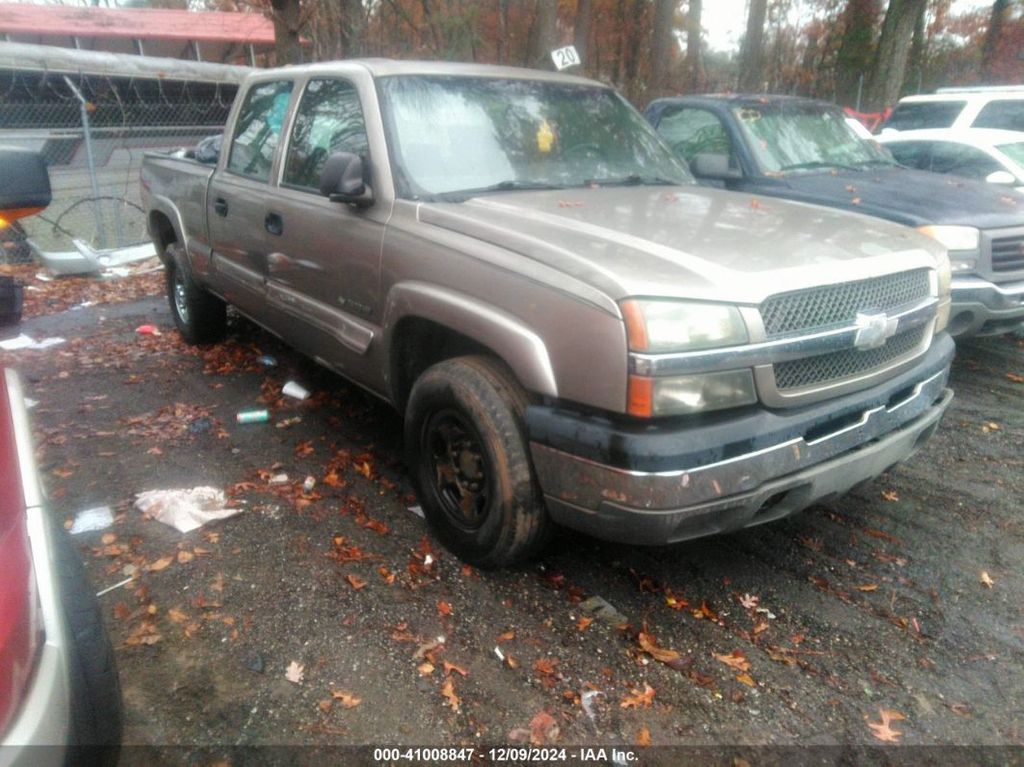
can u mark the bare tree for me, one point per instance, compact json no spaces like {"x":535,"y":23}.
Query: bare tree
{"x":695,"y":77}
{"x":751,"y":77}
{"x":990,"y":49}
{"x":663,"y":44}
{"x":859,"y":23}
{"x":890,"y":63}
{"x":544,"y":35}
{"x":287,"y":18}
{"x":581,"y":32}
{"x":353,"y":28}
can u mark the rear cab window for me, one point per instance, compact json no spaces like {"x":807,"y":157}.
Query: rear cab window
{"x":914,"y":115}
{"x":258,"y":129}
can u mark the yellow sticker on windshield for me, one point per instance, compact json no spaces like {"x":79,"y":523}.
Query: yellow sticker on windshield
{"x":545,"y":138}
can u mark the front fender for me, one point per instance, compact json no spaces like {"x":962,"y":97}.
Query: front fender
{"x":505,"y":334}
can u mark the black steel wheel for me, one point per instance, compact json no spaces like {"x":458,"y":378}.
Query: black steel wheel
{"x":469,"y":459}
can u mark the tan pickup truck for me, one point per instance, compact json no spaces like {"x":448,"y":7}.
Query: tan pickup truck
{"x":576,"y":333}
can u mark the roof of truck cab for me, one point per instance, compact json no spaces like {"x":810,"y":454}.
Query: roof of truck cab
{"x":743,"y":99}
{"x":391,"y":67}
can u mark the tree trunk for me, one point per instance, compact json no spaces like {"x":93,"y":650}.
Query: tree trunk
{"x":890,"y":65}
{"x":751,"y":77}
{"x":663,"y":47}
{"x":502,"y":31}
{"x":853,"y":59}
{"x":918,"y":53}
{"x":694,"y":57}
{"x":353,"y":29}
{"x":990,"y":49}
{"x":287,"y":17}
{"x":581,"y":33}
{"x":545,"y":34}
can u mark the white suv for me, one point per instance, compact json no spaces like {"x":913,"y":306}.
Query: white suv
{"x":995,"y":107}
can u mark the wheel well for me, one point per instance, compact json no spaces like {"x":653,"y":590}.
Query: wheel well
{"x":420,"y":343}
{"x":162,"y":231}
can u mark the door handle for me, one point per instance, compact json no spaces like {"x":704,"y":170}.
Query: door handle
{"x":274,"y":224}
{"x":220,"y":206}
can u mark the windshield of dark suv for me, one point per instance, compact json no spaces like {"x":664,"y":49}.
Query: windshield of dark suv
{"x":455,"y":137}
{"x":801,"y":138}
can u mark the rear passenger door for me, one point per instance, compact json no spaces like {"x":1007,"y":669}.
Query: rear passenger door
{"x":237,"y":197}
{"x":323,"y":263}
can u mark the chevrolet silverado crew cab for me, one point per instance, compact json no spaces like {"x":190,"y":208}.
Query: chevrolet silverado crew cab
{"x":576,"y":333}
{"x":802,"y":149}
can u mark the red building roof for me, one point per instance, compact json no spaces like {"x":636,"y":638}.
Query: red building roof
{"x":18,"y":20}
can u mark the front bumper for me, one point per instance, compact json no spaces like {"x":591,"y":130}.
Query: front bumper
{"x":984,"y":308}
{"x":656,"y":485}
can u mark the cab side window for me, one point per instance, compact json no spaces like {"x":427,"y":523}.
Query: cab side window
{"x":329,"y":119}
{"x":258,"y":130}
{"x":695,"y":131}
{"x":1003,"y":113}
{"x":962,"y":160}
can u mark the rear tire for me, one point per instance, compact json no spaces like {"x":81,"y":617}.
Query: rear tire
{"x":96,"y":718}
{"x":200,"y":316}
{"x":470,"y":462}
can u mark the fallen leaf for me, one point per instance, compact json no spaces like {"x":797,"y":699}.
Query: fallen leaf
{"x":882,"y":730}
{"x":986,"y":580}
{"x":890,"y":495}
{"x":294,"y":672}
{"x":355,"y":581}
{"x":160,"y":564}
{"x":444,"y":608}
{"x":582,"y":623}
{"x":748,"y":601}
{"x":108,"y":538}
{"x":387,"y":575}
{"x":450,"y":667}
{"x":176,"y":615}
{"x":1015,"y":378}
{"x":545,"y":666}
{"x":868,"y":587}
{"x":184,"y":557}
{"x":426,"y":668}
{"x":736,"y":659}
{"x":638,"y":699}
{"x":648,"y":645}
{"x":543,"y":729}
{"x":508,"y":636}
{"x":747,"y":680}
{"x":448,"y":691}
{"x":643,"y":738}
{"x":325,"y":705}
{"x":347,"y":699}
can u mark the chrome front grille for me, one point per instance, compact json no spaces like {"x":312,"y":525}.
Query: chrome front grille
{"x":1008,"y":254}
{"x":841,"y":365}
{"x":818,"y":308}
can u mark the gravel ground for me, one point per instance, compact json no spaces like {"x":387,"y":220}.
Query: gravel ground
{"x":903,"y":599}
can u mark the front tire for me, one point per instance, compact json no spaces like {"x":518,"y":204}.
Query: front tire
{"x":470,"y":463}
{"x":200,"y":316}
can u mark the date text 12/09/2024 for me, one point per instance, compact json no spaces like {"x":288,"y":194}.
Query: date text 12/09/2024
{"x":516,"y":754}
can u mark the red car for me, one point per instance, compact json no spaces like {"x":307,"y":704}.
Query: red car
{"x":58,"y":681}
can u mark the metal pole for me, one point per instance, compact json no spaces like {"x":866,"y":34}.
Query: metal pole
{"x":860,"y":90}
{"x":84,"y":110}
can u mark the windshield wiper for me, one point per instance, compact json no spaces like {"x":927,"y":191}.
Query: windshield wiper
{"x":509,"y":185}
{"x":633,"y":180}
{"x":816,"y":164}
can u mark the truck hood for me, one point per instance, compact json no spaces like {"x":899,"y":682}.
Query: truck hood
{"x":911,"y":197}
{"x":685,"y":241}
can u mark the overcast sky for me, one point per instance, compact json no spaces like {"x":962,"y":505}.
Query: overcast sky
{"x":725,"y":20}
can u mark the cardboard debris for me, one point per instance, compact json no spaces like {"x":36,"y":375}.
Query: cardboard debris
{"x":184,"y":510}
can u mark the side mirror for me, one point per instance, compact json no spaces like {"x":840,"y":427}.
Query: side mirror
{"x":1001,"y":177}
{"x":26,"y":184}
{"x":714,"y":167}
{"x":342,"y":180}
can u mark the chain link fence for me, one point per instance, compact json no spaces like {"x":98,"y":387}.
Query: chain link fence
{"x":93,"y":130}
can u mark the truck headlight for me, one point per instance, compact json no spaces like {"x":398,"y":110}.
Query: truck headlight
{"x":657,"y":327}
{"x":697,"y":393}
{"x":962,"y":242}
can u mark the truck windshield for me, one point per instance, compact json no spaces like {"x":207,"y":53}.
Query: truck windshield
{"x":804,"y":138}
{"x":455,"y":137}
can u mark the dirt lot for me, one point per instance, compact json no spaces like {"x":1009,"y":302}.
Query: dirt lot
{"x":901,"y":602}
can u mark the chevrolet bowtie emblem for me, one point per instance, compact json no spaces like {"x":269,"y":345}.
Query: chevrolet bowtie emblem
{"x":873,"y":330}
